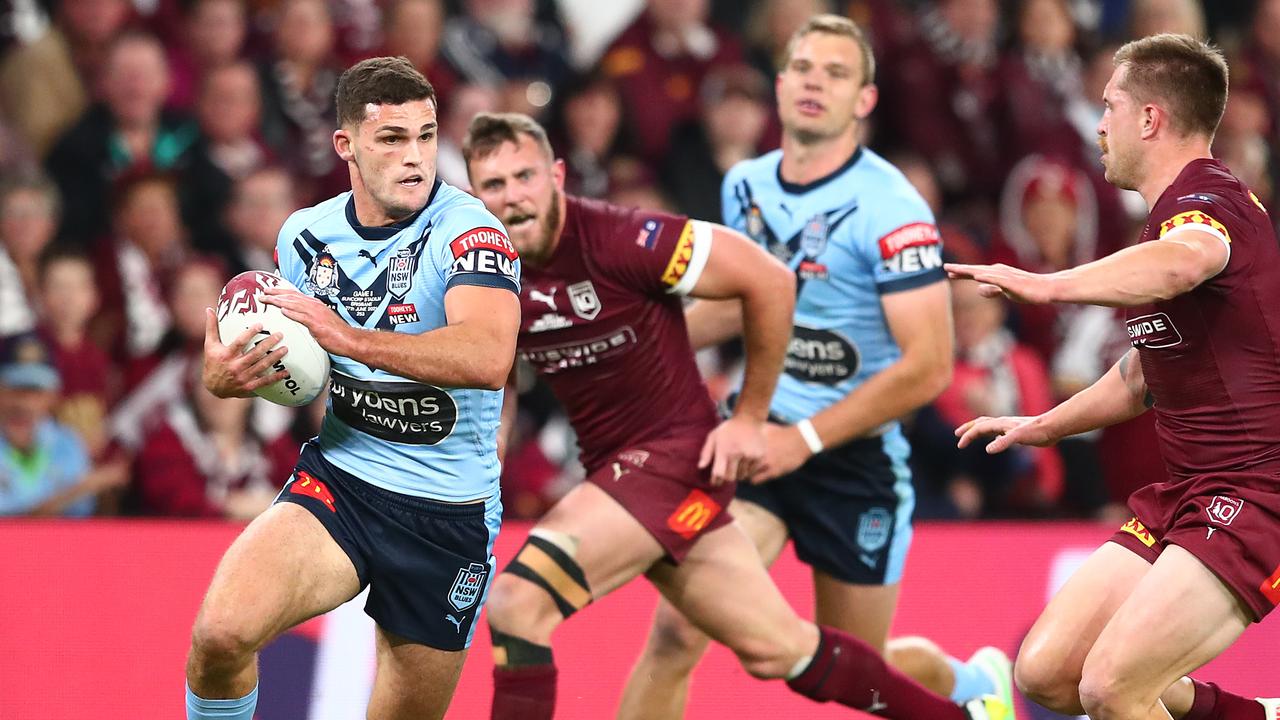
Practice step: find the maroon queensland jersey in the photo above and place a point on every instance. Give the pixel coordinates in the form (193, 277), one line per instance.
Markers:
(1211, 356)
(603, 324)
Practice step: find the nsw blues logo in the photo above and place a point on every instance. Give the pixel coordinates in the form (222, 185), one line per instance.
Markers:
(875, 527)
(400, 273)
(468, 586)
(813, 238)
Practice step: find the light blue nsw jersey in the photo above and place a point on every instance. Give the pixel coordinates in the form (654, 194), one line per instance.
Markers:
(851, 237)
(401, 435)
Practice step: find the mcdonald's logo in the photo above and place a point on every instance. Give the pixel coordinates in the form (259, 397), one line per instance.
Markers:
(1271, 587)
(694, 514)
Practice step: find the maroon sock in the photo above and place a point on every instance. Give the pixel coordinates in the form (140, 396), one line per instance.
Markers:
(850, 672)
(524, 693)
(1214, 703)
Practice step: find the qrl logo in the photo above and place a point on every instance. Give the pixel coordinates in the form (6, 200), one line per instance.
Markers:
(1224, 509)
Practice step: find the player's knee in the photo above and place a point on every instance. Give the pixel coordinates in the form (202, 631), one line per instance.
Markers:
(675, 642)
(1042, 677)
(768, 658)
(219, 643)
(514, 606)
(541, 588)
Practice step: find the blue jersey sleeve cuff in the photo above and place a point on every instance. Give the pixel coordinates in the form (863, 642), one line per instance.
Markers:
(911, 282)
(483, 280)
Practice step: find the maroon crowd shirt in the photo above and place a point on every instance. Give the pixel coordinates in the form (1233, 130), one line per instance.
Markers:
(603, 324)
(1211, 356)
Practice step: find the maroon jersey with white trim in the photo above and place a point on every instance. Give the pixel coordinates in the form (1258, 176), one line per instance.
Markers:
(603, 324)
(1211, 356)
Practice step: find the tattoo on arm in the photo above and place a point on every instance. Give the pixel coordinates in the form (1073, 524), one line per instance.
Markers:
(1149, 400)
(1136, 385)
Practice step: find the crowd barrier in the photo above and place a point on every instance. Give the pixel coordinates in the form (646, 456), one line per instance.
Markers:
(96, 615)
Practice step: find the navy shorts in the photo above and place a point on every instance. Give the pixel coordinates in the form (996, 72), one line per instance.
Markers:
(427, 563)
(848, 509)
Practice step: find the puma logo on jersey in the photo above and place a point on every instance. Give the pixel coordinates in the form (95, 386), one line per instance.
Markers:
(548, 298)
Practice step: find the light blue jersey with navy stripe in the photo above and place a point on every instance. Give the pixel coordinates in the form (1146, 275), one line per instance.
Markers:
(850, 237)
(404, 436)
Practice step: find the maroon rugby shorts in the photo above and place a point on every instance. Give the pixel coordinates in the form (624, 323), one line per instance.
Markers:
(1228, 521)
(659, 483)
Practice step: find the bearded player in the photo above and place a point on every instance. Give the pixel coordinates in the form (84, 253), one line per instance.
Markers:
(872, 343)
(410, 285)
(1200, 560)
(604, 326)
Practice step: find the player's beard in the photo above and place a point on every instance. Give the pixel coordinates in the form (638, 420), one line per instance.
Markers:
(1121, 170)
(550, 223)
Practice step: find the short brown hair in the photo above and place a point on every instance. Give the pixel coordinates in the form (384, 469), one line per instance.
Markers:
(488, 131)
(836, 25)
(1188, 75)
(381, 81)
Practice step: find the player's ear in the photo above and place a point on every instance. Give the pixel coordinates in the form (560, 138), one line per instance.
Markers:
(558, 173)
(868, 96)
(1152, 119)
(342, 145)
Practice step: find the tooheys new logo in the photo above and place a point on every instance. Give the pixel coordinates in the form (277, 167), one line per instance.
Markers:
(912, 248)
(821, 356)
(399, 412)
(484, 250)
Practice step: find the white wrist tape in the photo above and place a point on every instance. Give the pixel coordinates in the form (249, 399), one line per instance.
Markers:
(810, 436)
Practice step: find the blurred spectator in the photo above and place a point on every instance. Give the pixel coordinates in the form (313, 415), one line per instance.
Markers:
(994, 375)
(591, 130)
(632, 184)
(503, 45)
(45, 86)
(735, 111)
(1048, 222)
(414, 29)
(214, 36)
(939, 96)
(1259, 68)
(1241, 142)
(28, 218)
(69, 299)
(771, 27)
(229, 148)
(200, 458)
(468, 100)
(44, 469)
(1151, 17)
(659, 62)
(260, 204)
(1040, 77)
(128, 128)
(148, 246)
(298, 97)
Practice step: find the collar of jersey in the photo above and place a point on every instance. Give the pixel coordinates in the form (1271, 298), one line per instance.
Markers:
(384, 232)
(797, 189)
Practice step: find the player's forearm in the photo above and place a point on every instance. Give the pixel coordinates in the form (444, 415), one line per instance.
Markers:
(898, 390)
(1119, 395)
(712, 322)
(507, 417)
(767, 308)
(458, 356)
(1144, 273)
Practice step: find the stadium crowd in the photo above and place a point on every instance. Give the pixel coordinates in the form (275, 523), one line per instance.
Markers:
(151, 149)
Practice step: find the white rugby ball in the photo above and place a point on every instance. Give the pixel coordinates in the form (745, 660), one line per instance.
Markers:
(240, 306)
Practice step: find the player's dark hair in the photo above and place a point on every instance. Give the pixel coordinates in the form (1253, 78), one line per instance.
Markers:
(1187, 76)
(843, 27)
(381, 81)
(488, 131)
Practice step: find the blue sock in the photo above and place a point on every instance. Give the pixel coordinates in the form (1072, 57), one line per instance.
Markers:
(971, 682)
(239, 709)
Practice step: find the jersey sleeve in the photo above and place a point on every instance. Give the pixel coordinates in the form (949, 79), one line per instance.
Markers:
(902, 243)
(654, 252)
(474, 250)
(1204, 212)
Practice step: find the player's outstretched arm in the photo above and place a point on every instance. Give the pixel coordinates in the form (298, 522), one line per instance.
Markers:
(475, 350)
(1120, 394)
(1145, 273)
(738, 269)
